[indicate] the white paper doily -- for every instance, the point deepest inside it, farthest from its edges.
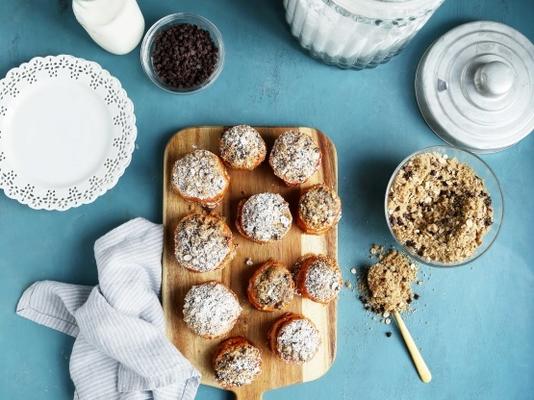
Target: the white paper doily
(67, 132)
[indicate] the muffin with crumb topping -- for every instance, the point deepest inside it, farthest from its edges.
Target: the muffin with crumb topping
(319, 209)
(294, 157)
(294, 338)
(211, 309)
(271, 287)
(203, 243)
(201, 177)
(318, 278)
(242, 147)
(264, 217)
(236, 362)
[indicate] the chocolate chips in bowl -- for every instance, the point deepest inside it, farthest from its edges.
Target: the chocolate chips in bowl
(182, 53)
(444, 206)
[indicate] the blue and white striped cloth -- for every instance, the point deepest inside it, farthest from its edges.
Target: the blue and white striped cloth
(121, 351)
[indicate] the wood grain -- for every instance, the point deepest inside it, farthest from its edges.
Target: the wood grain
(253, 324)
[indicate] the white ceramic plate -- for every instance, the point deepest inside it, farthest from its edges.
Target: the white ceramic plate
(67, 132)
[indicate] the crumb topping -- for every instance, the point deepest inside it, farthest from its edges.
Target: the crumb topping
(439, 208)
(274, 287)
(239, 366)
(265, 217)
(242, 147)
(294, 157)
(389, 282)
(202, 242)
(320, 207)
(323, 280)
(210, 309)
(298, 340)
(200, 174)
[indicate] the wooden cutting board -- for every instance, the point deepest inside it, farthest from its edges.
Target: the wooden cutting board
(252, 324)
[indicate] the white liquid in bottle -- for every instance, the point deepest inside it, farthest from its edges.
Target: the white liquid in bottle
(115, 25)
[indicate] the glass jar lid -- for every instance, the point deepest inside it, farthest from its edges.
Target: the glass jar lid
(475, 86)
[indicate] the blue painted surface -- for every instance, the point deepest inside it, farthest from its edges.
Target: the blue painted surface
(474, 324)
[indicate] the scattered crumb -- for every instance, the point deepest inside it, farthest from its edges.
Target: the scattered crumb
(348, 284)
(376, 250)
(249, 262)
(387, 321)
(353, 271)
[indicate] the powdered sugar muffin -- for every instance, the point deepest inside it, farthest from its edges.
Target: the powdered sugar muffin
(318, 278)
(264, 217)
(211, 309)
(271, 287)
(294, 338)
(295, 157)
(242, 147)
(203, 243)
(236, 362)
(201, 177)
(319, 209)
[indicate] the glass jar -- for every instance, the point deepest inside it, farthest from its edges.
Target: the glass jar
(357, 33)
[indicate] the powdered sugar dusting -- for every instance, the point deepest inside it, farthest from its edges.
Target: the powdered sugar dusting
(294, 157)
(323, 281)
(298, 340)
(265, 217)
(210, 309)
(199, 174)
(242, 147)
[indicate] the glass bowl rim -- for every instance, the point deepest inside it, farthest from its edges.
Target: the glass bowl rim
(184, 17)
(443, 149)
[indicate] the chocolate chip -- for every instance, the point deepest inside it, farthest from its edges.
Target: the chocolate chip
(410, 243)
(184, 56)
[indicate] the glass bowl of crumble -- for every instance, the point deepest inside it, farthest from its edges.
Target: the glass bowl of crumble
(444, 206)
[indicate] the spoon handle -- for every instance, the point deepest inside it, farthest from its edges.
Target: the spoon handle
(420, 365)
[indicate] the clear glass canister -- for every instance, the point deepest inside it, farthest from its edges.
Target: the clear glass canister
(357, 33)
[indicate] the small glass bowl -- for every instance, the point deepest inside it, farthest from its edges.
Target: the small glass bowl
(492, 184)
(177, 19)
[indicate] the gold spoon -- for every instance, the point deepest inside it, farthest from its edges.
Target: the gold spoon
(417, 358)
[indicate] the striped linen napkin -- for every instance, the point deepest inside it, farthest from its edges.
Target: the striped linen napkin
(121, 351)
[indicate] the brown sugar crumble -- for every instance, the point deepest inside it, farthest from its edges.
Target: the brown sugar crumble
(386, 286)
(439, 208)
